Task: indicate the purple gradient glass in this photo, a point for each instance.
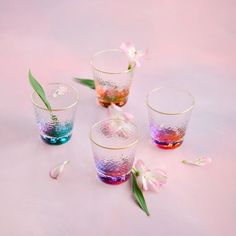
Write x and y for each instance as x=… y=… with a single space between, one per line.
x=169 y=111
x=114 y=143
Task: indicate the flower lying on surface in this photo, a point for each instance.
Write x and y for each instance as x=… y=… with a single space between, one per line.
x=56 y=171
x=198 y=162
x=118 y=122
x=116 y=112
x=149 y=180
x=133 y=54
x=146 y=179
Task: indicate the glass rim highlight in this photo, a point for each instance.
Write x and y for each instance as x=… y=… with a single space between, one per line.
x=59 y=109
x=107 y=72
x=170 y=113
x=113 y=148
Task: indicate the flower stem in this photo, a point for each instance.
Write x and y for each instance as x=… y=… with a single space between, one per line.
x=135 y=171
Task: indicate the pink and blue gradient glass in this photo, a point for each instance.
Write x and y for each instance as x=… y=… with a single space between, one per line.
x=114 y=144
x=56 y=127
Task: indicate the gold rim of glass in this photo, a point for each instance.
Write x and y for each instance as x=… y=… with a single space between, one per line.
x=107 y=72
x=170 y=113
x=113 y=148
x=59 y=109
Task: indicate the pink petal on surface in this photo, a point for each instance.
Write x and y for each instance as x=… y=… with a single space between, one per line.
x=160 y=176
x=155 y=180
x=198 y=162
x=149 y=180
x=144 y=183
x=56 y=171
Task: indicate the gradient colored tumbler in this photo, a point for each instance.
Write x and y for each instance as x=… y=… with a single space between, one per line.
x=169 y=111
x=55 y=127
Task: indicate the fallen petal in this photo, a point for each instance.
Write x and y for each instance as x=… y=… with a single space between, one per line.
x=56 y=171
x=155 y=179
x=198 y=162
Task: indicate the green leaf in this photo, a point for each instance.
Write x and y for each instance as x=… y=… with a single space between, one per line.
x=39 y=90
x=138 y=195
x=87 y=82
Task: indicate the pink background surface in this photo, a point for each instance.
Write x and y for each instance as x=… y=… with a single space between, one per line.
x=191 y=44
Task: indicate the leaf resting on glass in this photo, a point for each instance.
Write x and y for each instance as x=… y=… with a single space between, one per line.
x=40 y=91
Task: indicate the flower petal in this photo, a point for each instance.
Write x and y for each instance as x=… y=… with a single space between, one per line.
x=56 y=171
x=133 y=54
x=128 y=116
x=155 y=179
x=127 y=47
x=159 y=175
x=152 y=186
x=144 y=184
x=140 y=166
x=198 y=162
x=149 y=180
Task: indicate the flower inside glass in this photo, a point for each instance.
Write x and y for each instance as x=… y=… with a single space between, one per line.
x=113 y=73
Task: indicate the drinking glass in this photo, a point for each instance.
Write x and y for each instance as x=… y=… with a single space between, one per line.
x=114 y=143
x=55 y=127
x=169 y=111
x=113 y=72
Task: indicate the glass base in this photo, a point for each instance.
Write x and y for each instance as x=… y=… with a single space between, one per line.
x=113 y=180
x=167 y=145
x=55 y=141
x=107 y=104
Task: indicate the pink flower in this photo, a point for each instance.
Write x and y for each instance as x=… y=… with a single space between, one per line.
x=118 y=124
x=198 y=162
x=133 y=54
x=149 y=180
x=116 y=112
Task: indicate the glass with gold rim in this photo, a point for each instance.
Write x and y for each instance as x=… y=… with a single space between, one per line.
x=113 y=73
x=114 y=143
x=169 y=111
x=55 y=127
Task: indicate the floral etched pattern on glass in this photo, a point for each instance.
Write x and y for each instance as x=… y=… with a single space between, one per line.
x=55 y=127
x=114 y=143
x=169 y=111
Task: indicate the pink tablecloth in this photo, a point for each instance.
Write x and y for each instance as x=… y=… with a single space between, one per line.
x=191 y=45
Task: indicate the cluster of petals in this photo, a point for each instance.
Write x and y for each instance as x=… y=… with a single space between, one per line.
x=149 y=180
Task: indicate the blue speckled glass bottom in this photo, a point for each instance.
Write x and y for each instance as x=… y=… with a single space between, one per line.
x=56 y=133
x=56 y=141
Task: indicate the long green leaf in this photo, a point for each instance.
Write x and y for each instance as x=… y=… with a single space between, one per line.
x=39 y=90
x=87 y=82
x=138 y=195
